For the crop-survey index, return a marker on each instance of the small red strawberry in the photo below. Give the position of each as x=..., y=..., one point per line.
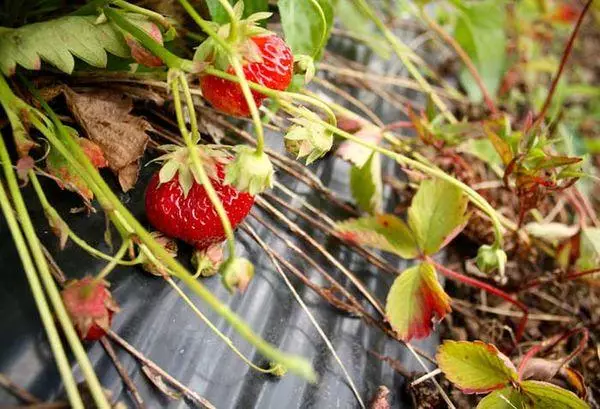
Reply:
x=186, y=213
x=566, y=13
x=90, y=306
x=273, y=69
x=139, y=53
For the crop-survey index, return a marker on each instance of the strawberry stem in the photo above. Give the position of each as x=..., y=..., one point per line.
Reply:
x=239, y=72
x=152, y=15
x=233, y=20
x=48, y=281
x=170, y=59
x=118, y=256
x=177, y=78
x=62, y=362
x=121, y=216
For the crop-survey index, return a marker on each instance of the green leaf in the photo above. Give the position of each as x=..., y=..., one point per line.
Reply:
x=589, y=249
x=416, y=299
x=506, y=398
x=482, y=149
x=360, y=27
x=437, y=214
x=219, y=15
x=480, y=31
x=56, y=41
x=366, y=185
x=306, y=25
x=475, y=367
x=547, y=395
x=384, y=232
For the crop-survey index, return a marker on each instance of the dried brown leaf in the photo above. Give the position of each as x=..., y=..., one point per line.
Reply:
x=380, y=400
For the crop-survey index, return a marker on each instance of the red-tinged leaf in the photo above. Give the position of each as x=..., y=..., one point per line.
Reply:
x=565, y=13
x=415, y=301
x=549, y=162
x=475, y=367
x=357, y=154
x=66, y=176
x=349, y=124
x=384, y=232
x=418, y=123
x=94, y=152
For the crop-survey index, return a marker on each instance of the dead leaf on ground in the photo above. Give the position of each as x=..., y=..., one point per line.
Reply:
x=105, y=117
x=380, y=400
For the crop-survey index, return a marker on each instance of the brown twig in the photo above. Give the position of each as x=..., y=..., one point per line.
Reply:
x=17, y=391
x=563, y=63
x=184, y=390
x=466, y=59
x=133, y=390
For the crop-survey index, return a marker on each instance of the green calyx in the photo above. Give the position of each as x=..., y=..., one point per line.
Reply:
x=177, y=161
x=308, y=138
x=236, y=273
x=213, y=52
x=251, y=171
x=491, y=258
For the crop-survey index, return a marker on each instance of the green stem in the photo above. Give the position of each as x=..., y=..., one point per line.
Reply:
x=475, y=197
x=170, y=59
x=79, y=159
x=239, y=72
x=197, y=165
x=152, y=15
x=214, y=329
x=118, y=256
x=233, y=21
x=47, y=207
x=49, y=284
x=62, y=362
x=398, y=47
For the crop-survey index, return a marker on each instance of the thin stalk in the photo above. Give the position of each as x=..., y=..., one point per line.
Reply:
x=170, y=59
x=465, y=58
x=398, y=47
x=239, y=72
x=62, y=362
x=152, y=15
x=48, y=281
x=199, y=169
x=233, y=21
x=216, y=330
x=489, y=289
x=311, y=317
x=47, y=207
x=117, y=211
x=118, y=256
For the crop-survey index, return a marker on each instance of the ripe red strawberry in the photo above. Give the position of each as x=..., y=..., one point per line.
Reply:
x=193, y=218
x=90, y=306
x=274, y=71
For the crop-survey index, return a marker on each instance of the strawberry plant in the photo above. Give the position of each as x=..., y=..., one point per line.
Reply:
x=496, y=192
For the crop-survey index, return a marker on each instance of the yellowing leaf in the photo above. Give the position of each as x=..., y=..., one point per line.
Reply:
x=357, y=154
x=437, y=214
x=56, y=41
x=589, y=249
x=506, y=398
x=416, y=299
x=365, y=184
x=384, y=232
x=547, y=395
x=475, y=367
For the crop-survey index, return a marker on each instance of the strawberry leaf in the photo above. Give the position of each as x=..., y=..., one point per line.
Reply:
x=366, y=185
x=56, y=41
x=306, y=25
x=384, y=232
x=506, y=398
x=475, y=367
x=547, y=395
x=414, y=300
x=437, y=214
x=361, y=27
x=357, y=154
x=589, y=250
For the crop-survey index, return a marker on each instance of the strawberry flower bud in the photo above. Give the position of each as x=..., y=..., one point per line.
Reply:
x=250, y=171
x=237, y=274
x=304, y=64
x=207, y=261
x=491, y=258
x=307, y=138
